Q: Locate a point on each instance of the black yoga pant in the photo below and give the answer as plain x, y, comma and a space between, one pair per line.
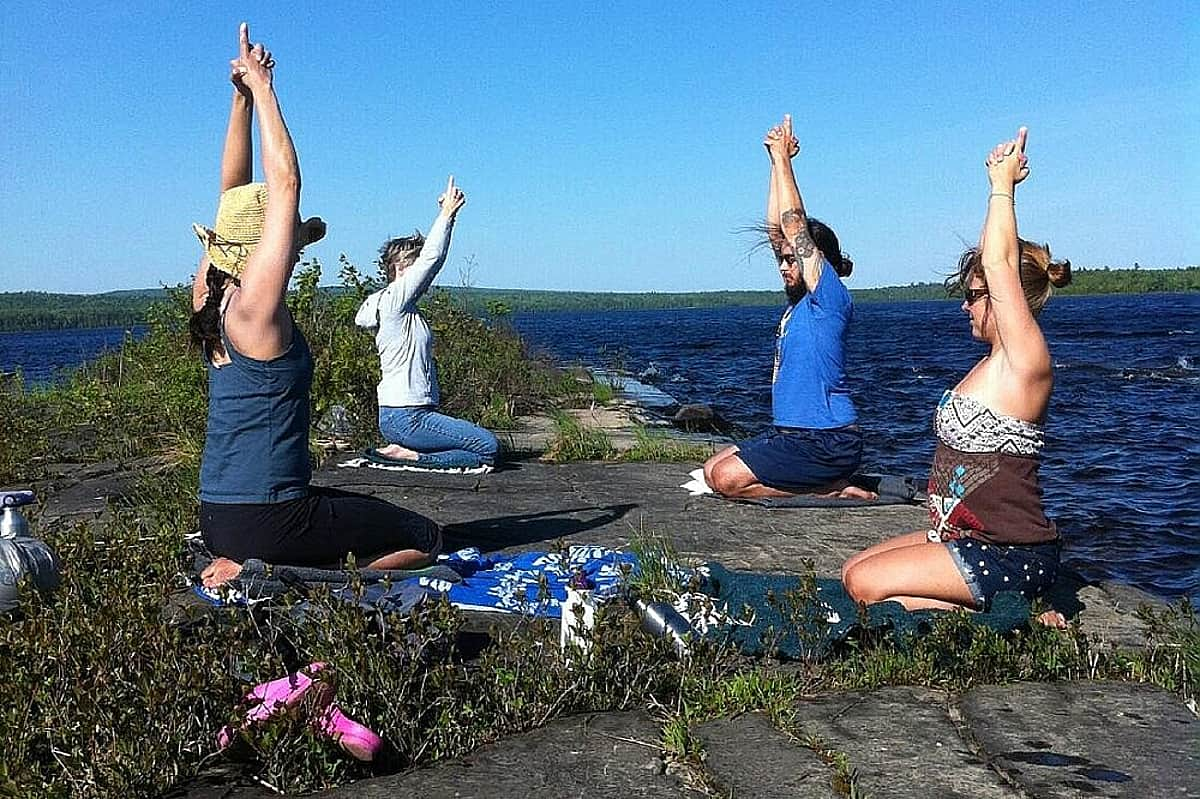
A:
320, 529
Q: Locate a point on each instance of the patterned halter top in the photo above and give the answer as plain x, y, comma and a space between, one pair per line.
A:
984, 480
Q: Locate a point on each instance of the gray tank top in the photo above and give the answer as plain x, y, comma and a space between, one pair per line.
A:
256, 447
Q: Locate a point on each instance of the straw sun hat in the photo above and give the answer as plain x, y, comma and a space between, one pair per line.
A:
238, 229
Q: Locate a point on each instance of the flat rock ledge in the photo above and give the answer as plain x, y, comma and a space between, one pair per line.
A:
1024, 740
1067, 739
529, 504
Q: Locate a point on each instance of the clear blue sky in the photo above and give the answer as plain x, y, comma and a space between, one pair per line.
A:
603, 146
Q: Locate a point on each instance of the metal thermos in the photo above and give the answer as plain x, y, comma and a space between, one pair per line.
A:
661, 619
12, 521
21, 554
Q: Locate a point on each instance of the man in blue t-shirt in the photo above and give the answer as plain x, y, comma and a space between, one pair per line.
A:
814, 445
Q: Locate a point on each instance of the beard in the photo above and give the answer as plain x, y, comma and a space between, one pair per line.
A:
795, 293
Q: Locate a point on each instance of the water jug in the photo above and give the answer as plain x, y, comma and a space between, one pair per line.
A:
578, 614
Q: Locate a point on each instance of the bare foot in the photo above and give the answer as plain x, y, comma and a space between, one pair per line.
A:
846, 492
1053, 619
854, 492
219, 572
397, 452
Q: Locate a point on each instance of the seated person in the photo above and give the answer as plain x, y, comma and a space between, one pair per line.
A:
987, 531
408, 393
255, 497
814, 445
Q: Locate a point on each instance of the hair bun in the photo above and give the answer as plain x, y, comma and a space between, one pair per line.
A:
1059, 273
844, 265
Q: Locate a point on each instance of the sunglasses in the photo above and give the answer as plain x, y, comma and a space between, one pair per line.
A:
972, 295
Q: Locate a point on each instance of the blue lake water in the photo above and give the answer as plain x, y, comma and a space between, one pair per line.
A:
1122, 462
44, 355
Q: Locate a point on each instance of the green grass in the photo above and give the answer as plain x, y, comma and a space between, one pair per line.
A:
602, 392
576, 442
658, 445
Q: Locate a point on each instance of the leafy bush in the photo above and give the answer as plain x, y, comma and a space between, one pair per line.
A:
484, 372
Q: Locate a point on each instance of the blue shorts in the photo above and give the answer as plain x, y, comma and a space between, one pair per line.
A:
801, 460
989, 569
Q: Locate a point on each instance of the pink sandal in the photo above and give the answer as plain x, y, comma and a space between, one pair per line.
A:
271, 699
361, 742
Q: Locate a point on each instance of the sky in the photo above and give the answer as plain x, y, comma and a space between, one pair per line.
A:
602, 146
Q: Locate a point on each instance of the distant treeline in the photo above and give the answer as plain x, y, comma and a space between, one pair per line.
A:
35, 310
39, 310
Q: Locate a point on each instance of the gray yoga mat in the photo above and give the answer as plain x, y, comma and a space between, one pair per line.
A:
892, 490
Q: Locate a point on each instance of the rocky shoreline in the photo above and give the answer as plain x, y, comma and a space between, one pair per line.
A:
1075, 738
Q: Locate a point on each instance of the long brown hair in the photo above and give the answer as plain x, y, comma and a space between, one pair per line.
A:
205, 324
822, 235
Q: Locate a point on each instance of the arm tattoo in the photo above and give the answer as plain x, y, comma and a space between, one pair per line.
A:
802, 243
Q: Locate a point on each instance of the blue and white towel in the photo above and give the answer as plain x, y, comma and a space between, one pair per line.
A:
530, 583
533, 583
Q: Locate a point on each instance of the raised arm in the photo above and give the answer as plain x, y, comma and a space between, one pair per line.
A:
236, 158
409, 286
793, 221
1021, 342
263, 327
774, 236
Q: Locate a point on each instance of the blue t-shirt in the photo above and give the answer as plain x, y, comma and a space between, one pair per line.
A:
808, 388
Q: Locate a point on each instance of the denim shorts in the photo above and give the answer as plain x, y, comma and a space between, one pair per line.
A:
989, 569
799, 460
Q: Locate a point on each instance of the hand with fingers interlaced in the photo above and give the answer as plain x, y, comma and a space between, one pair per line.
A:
1006, 163
780, 142
254, 67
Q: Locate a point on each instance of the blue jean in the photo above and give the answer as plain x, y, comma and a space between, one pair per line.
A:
441, 441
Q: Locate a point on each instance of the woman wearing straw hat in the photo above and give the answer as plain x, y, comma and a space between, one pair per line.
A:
255, 497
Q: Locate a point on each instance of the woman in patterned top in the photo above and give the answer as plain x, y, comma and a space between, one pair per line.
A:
987, 531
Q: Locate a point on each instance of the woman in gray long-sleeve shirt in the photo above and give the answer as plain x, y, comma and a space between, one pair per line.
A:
408, 393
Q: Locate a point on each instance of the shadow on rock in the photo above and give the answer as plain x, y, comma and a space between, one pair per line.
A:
500, 532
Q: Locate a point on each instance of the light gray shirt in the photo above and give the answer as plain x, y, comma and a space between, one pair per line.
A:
404, 340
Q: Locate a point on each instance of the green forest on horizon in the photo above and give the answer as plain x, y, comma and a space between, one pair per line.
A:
35, 310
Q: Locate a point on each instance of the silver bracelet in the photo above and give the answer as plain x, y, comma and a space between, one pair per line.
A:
1002, 194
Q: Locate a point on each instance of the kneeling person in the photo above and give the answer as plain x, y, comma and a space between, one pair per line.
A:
814, 445
255, 496
408, 392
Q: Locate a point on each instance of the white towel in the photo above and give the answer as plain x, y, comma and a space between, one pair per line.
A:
697, 486
354, 463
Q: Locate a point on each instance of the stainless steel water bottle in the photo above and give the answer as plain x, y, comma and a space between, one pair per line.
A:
12, 521
21, 554
661, 619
